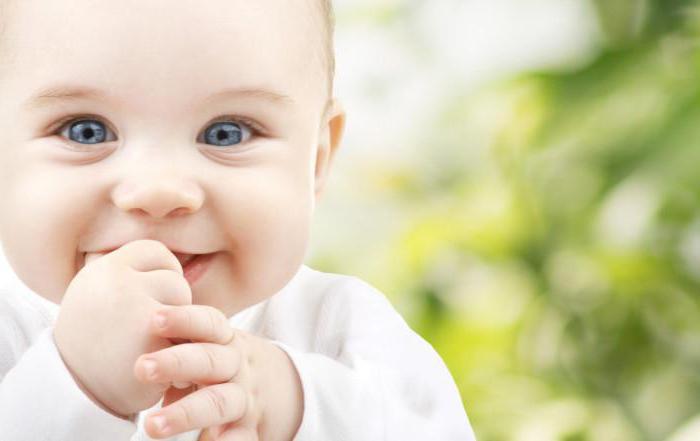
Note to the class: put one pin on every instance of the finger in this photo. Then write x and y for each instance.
(166, 286)
(238, 433)
(148, 255)
(200, 363)
(216, 404)
(199, 323)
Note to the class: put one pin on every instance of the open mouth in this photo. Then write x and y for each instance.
(186, 258)
(194, 265)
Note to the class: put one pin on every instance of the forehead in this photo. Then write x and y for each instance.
(147, 48)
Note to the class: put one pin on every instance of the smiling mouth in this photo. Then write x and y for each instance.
(186, 258)
(194, 266)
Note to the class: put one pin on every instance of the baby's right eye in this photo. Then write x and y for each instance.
(86, 131)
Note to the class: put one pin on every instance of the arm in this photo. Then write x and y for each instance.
(374, 378)
(39, 398)
(281, 391)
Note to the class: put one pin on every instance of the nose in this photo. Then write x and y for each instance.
(158, 195)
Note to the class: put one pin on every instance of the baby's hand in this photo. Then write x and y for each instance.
(102, 325)
(230, 369)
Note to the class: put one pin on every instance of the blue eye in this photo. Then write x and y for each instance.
(226, 133)
(86, 131)
(221, 133)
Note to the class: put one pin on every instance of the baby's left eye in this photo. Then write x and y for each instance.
(226, 133)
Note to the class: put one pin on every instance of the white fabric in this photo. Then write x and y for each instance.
(365, 374)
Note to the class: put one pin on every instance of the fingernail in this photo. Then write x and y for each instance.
(160, 320)
(150, 367)
(161, 424)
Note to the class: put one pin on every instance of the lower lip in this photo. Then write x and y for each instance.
(195, 268)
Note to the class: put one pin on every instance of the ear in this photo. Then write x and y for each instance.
(332, 127)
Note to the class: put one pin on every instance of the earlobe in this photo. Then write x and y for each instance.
(329, 142)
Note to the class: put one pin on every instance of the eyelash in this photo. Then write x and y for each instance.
(256, 130)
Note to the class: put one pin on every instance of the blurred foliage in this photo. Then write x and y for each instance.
(551, 251)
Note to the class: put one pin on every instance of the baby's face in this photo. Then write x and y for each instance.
(203, 125)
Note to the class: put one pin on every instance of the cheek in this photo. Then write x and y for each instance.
(266, 213)
(267, 221)
(40, 228)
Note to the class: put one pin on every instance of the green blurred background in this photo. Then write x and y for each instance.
(535, 217)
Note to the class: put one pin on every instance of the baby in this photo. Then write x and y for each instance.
(160, 162)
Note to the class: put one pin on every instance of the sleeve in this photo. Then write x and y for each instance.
(376, 378)
(39, 400)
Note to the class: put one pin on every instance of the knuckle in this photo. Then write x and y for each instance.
(170, 278)
(246, 402)
(237, 358)
(189, 320)
(210, 360)
(184, 415)
(158, 250)
(217, 402)
(251, 406)
(172, 283)
(177, 361)
(212, 326)
(166, 286)
(178, 285)
(184, 295)
(122, 285)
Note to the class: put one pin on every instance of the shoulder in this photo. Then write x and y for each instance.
(356, 317)
(15, 320)
(317, 308)
(352, 306)
(22, 319)
(345, 292)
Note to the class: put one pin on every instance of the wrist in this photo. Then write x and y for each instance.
(96, 400)
(282, 395)
(85, 389)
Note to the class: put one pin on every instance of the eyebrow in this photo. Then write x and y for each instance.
(55, 94)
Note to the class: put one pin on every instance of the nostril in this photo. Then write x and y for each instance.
(157, 196)
(139, 211)
(179, 211)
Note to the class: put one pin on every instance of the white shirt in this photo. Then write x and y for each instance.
(366, 376)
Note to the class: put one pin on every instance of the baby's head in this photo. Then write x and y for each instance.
(209, 126)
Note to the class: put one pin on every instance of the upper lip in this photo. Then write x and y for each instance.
(178, 251)
(183, 258)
